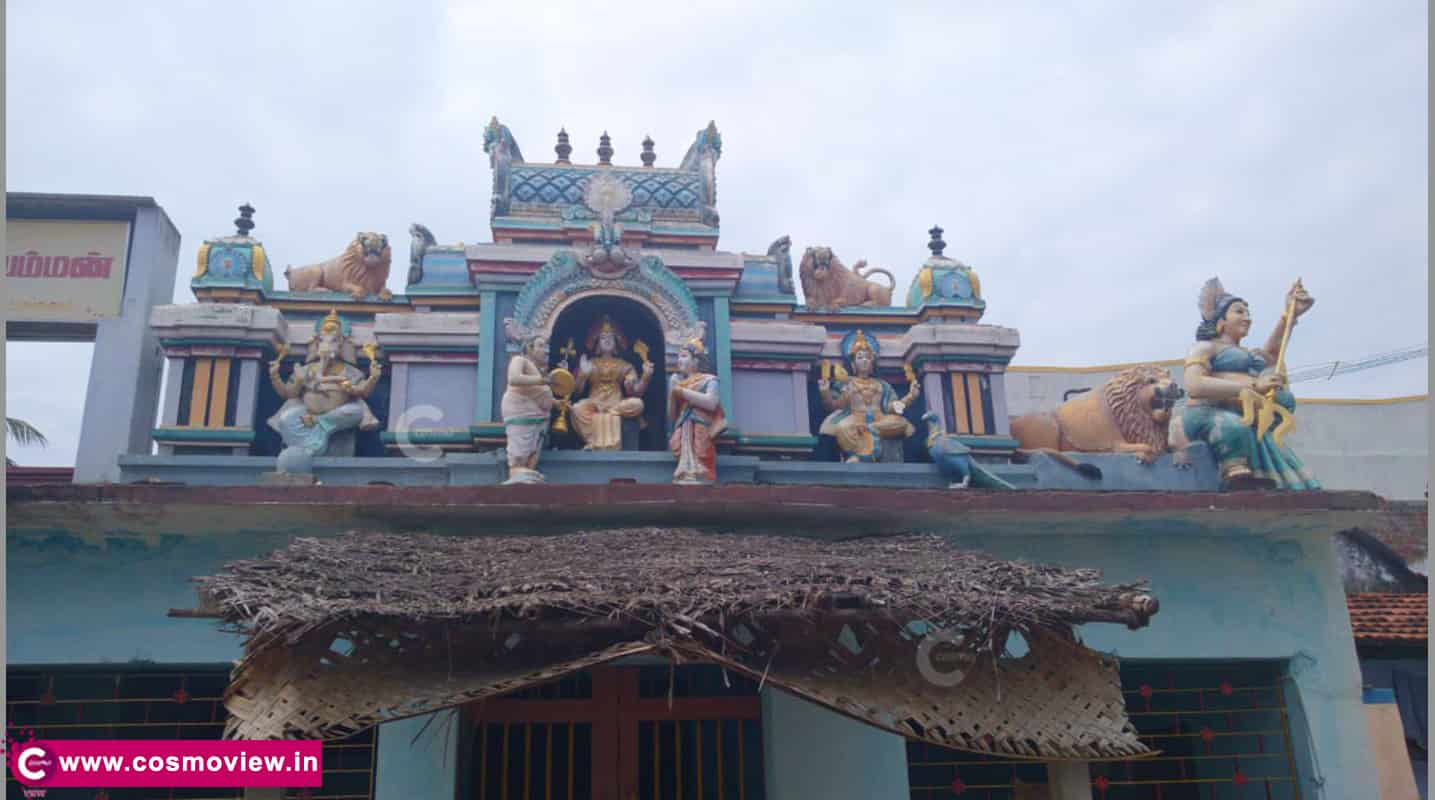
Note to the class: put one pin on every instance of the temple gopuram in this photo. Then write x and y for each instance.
(599, 509)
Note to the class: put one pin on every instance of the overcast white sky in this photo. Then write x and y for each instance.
(1095, 165)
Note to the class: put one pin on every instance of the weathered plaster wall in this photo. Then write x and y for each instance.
(764, 402)
(812, 752)
(418, 757)
(1225, 594)
(74, 600)
(450, 388)
(1232, 597)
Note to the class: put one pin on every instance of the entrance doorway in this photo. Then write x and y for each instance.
(619, 733)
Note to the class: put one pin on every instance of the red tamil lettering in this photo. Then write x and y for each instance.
(34, 265)
(57, 266)
(17, 266)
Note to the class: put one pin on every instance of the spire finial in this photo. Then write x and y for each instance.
(936, 245)
(648, 155)
(605, 149)
(563, 148)
(244, 223)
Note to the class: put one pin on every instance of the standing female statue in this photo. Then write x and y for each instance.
(1220, 373)
(695, 407)
(525, 407)
(614, 389)
(863, 405)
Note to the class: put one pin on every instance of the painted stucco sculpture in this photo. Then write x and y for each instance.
(1130, 413)
(526, 405)
(360, 271)
(943, 281)
(324, 396)
(1240, 403)
(781, 252)
(421, 242)
(954, 458)
(864, 408)
(696, 409)
(614, 388)
(827, 283)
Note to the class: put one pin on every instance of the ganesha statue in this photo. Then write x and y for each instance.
(324, 397)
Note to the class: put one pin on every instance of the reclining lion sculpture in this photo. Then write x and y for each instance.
(360, 271)
(1130, 413)
(827, 283)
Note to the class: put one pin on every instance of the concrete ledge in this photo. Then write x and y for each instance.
(1122, 472)
(821, 511)
(828, 473)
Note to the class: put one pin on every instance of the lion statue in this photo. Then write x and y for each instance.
(360, 271)
(827, 283)
(1130, 413)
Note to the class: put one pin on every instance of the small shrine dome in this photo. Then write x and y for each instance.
(233, 267)
(944, 281)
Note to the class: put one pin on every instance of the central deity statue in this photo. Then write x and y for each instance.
(864, 408)
(614, 388)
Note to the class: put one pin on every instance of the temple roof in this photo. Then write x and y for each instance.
(534, 200)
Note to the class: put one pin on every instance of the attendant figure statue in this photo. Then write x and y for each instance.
(324, 396)
(614, 387)
(1226, 383)
(697, 414)
(525, 407)
(863, 408)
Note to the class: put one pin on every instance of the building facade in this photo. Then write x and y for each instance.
(599, 509)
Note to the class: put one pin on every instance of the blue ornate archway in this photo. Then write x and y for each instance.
(566, 279)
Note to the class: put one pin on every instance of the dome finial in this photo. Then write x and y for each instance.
(244, 223)
(936, 245)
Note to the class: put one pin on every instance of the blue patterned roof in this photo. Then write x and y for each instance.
(563, 186)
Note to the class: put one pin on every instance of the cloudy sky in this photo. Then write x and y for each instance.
(1094, 165)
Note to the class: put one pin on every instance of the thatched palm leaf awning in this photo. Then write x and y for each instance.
(349, 631)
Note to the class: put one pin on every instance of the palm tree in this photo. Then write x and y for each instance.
(24, 434)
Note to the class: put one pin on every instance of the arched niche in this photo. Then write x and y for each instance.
(638, 322)
(563, 281)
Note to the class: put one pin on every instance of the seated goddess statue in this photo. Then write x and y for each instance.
(864, 408)
(1220, 372)
(324, 396)
(614, 388)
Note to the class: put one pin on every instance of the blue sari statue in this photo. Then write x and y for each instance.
(1219, 371)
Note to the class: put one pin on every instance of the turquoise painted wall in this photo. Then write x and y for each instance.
(812, 752)
(93, 600)
(418, 761)
(1239, 596)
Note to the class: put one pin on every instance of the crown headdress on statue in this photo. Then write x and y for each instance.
(857, 341)
(696, 345)
(331, 324)
(602, 326)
